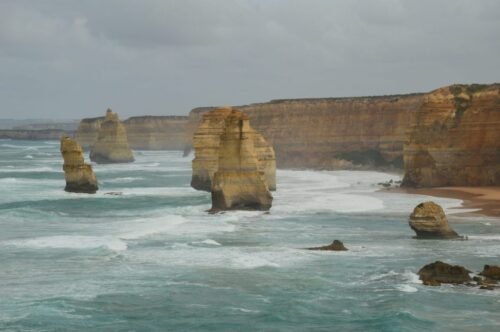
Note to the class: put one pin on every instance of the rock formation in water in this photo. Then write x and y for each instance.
(111, 145)
(207, 141)
(455, 140)
(143, 132)
(429, 222)
(331, 133)
(438, 273)
(491, 272)
(238, 184)
(80, 177)
(336, 245)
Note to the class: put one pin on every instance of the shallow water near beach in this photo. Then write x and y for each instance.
(152, 259)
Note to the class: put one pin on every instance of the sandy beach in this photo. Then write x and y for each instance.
(486, 200)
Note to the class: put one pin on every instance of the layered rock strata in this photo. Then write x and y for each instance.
(207, 142)
(455, 140)
(429, 222)
(331, 133)
(143, 132)
(42, 134)
(111, 145)
(238, 184)
(80, 177)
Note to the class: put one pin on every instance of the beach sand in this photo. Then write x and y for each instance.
(485, 200)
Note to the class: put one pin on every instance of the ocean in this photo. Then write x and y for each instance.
(152, 258)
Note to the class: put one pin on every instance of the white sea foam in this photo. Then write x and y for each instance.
(146, 227)
(123, 180)
(28, 156)
(70, 242)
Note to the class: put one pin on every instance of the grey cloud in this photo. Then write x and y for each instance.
(70, 58)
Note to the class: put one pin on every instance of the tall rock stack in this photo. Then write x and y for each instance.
(80, 177)
(207, 141)
(87, 131)
(456, 138)
(112, 144)
(238, 183)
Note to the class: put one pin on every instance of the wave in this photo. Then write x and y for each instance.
(70, 242)
(123, 180)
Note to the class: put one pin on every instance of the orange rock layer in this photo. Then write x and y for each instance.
(455, 140)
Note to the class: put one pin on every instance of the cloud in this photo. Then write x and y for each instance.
(75, 58)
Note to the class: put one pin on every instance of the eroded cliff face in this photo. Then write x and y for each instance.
(111, 145)
(143, 132)
(238, 183)
(455, 140)
(156, 132)
(80, 177)
(332, 133)
(87, 131)
(207, 142)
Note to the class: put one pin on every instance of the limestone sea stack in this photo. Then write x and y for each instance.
(112, 144)
(207, 141)
(80, 177)
(336, 245)
(429, 222)
(238, 184)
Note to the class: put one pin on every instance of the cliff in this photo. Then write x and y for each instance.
(143, 132)
(156, 132)
(86, 133)
(455, 140)
(238, 183)
(46, 134)
(80, 177)
(207, 142)
(332, 133)
(111, 145)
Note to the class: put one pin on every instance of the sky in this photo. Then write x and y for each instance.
(72, 59)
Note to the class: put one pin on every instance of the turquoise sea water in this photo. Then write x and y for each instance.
(152, 259)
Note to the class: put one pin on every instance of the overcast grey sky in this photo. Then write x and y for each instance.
(74, 58)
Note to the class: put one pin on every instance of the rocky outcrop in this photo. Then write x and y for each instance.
(455, 140)
(238, 183)
(111, 145)
(336, 245)
(143, 132)
(21, 134)
(80, 177)
(438, 273)
(332, 133)
(207, 143)
(429, 222)
(491, 272)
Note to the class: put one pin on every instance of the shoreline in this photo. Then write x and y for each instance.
(484, 200)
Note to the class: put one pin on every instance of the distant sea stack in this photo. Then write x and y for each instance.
(455, 140)
(332, 133)
(429, 222)
(80, 177)
(238, 184)
(111, 145)
(207, 142)
(143, 132)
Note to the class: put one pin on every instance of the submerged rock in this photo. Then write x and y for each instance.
(438, 273)
(336, 245)
(207, 142)
(80, 177)
(238, 184)
(112, 144)
(429, 222)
